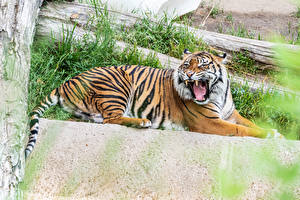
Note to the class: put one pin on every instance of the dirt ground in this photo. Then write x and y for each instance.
(262, 19)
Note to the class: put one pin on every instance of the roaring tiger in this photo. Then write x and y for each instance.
(195, 96)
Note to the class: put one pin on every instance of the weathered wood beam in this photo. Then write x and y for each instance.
(261, 51)
(17, 25)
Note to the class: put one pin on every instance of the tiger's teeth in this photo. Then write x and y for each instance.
(197, 83)
(186, 82)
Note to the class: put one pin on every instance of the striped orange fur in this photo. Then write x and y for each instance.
(195, 96)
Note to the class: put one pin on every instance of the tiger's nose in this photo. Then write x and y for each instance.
(189, 73)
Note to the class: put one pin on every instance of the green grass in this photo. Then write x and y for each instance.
(241, 31)
(185, 19)
(243, 64)
(297, 14)
(162, 36)
(229, 18)
(215, 12)
(237, 30)
(256, 106)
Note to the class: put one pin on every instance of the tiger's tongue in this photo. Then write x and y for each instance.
(199, 91)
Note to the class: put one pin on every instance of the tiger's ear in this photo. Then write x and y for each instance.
(221, 58)
(225, 60)
(186, 53)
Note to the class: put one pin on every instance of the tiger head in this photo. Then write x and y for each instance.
(197, 76)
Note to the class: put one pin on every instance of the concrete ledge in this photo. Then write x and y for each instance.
(78, 160)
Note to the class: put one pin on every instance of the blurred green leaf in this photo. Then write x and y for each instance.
(286, 195)
(229, 185)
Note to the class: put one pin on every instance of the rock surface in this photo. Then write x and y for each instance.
(77, 160)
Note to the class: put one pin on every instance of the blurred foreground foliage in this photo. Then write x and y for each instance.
(282, 111)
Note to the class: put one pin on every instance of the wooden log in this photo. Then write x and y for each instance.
(261, 51)
(17, 25)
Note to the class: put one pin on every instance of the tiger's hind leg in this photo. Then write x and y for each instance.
(112, 113)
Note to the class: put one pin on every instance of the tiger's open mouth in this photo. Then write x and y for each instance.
(199, 89)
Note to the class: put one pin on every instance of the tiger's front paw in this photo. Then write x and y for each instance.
(273, 133)
(145, 123)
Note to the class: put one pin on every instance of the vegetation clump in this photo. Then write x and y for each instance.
(162, 36)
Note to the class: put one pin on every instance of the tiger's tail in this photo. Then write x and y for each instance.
(46, 103)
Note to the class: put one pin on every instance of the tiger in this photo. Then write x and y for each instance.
(195, 96)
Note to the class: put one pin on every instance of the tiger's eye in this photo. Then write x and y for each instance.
(200, 62)
(186, 64)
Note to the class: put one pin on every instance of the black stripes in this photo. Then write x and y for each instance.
(32, 140)
(133, 103)
(147, 95)
(150, 114)
(141, 88)
(187, 108)
(67, 94)
(192, 113)
(213, 110)
(152, 71)
(113, 102)
(140, 74)
(213, 66)
(209, 117)
(150, 93)
(48, 101)
(33, 132)
(29, 145)
(226, 93)
(217, 105)
(108, 96)
(33, 122)
(146, 102)
(220, 73)
(34, 113)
